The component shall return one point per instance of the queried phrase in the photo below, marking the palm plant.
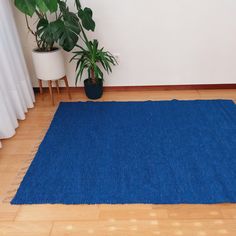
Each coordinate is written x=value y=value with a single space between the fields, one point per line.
x=92 y=59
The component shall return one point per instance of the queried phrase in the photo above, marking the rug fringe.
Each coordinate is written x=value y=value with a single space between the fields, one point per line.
x=11 y=192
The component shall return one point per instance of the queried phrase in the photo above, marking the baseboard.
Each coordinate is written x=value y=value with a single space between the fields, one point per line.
x=159 y=87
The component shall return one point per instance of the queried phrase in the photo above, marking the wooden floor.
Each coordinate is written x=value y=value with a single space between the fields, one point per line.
x=79 y=220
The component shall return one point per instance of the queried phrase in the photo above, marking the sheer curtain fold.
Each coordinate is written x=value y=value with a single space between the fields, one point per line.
x=16 y=93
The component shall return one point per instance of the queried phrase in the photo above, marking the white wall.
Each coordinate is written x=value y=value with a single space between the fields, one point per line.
x=162 y=42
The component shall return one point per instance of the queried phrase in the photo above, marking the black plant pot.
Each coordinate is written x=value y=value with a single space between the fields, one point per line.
x=93 y=90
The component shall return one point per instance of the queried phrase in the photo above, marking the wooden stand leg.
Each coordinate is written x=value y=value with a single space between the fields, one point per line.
x=50 y=90
x=67 y=87
x=40 y=86
x=57 y=84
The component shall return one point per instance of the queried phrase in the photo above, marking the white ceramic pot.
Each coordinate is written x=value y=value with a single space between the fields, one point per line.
x=49 y=65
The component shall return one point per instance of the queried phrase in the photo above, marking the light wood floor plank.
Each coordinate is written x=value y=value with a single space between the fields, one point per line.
x=126 y=214
x=146 y=227
x=25 y=228
x=8 y=212
x=57 y=212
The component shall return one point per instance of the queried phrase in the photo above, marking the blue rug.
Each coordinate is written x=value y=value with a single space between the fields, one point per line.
x=135 y=152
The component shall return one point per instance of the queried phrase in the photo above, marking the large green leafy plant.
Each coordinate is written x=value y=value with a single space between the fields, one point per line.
x=55 y=22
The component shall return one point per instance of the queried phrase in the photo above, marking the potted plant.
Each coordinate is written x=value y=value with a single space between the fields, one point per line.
x=64 y=28
x=92 y=59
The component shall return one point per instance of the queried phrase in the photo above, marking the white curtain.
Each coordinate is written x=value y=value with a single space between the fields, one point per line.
x=16 y=93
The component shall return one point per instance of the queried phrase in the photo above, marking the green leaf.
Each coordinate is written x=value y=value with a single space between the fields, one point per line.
x=69 y=31
x=100 y=74
x=26 y=6
x=71 y=21
x=83 y=66
x=45 y=31
x=62 y=6
x=51 y=5
x=41 y=6
x=78 y=5
x=56 y=27
x=86 y=17
x=68 y=40
x=64 y=32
